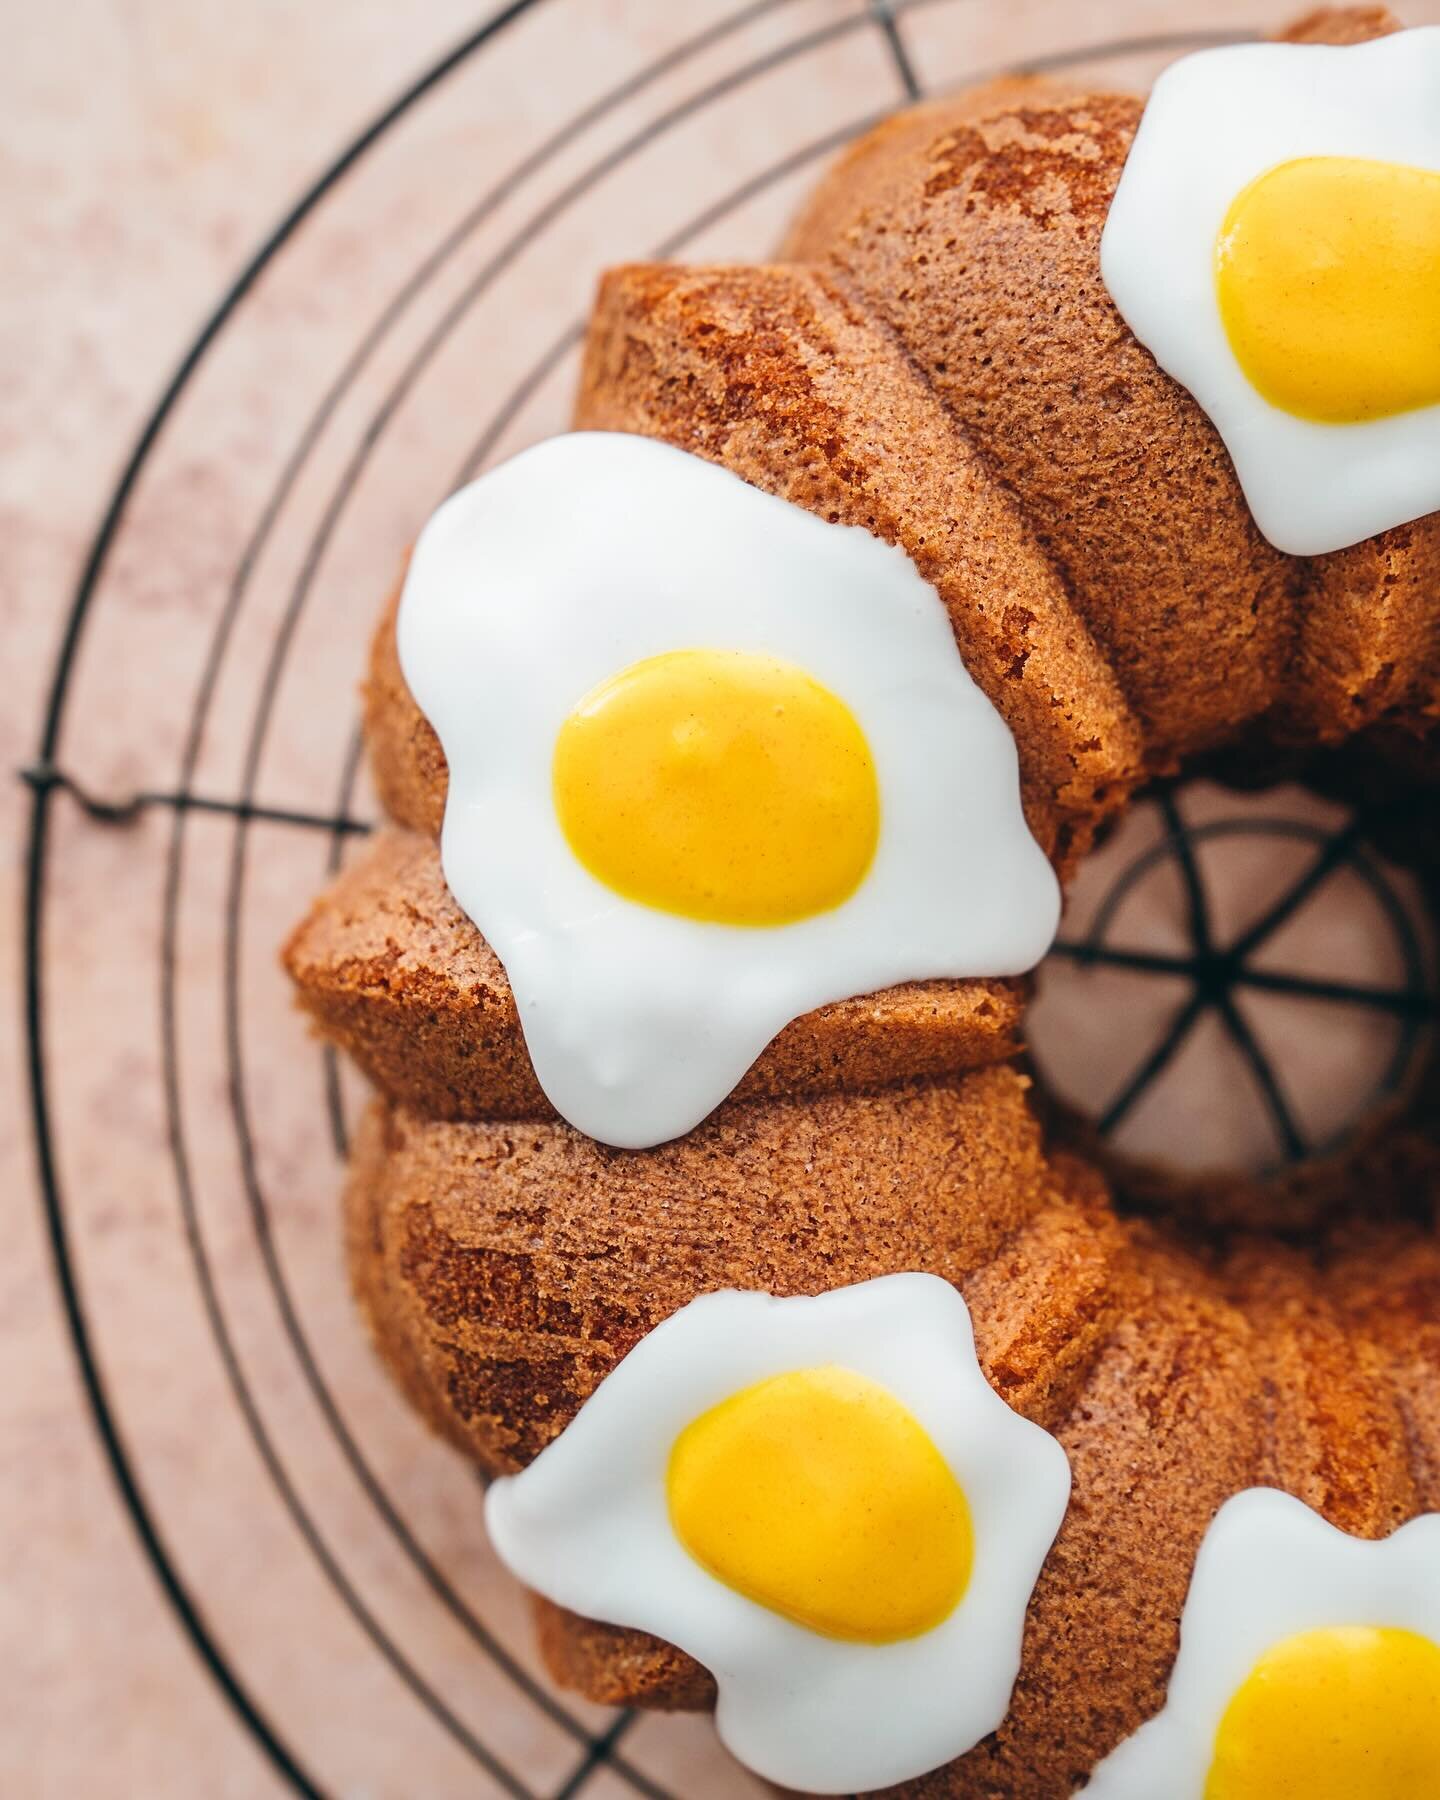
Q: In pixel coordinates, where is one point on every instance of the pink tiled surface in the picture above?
(332, 1551)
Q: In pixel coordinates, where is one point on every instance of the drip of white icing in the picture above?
(587, 1525)
(1268, 1568)
(1214, 123)
(591, 552)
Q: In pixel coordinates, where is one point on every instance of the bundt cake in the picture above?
(936, 358)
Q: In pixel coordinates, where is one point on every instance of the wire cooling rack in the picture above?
(411, 319)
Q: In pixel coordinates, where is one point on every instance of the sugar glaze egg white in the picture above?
(845, 816)
(613, 1521)
(1309, 1665)
(1333, 155)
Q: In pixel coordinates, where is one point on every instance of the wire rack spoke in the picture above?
(1409, 1002)
(885, 17)
(1406, 1002)
(1163, 1053)
(1267, 1077)
(1332, 857)
(1196, 900)
(600, 1752)
(45, 777)
(1217, 975)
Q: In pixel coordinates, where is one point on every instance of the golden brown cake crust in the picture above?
(406, 760)
(617, 1667)
(504, 1270)
(1369, 644)
(979, 247)
(780, 378)
(496, 1250)
(948, 335)
(1341, 25)
(948, 332)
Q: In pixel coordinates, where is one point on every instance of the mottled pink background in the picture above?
(147, 146)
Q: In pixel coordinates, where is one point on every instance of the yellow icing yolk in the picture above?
(1351, 1712)
(1328, 270)
(818, 1495)
(721, 786)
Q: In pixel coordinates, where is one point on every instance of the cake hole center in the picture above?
(1241, 983)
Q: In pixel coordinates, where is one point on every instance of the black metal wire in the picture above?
(1157, 1060)
(46, 777)
(1267, 1076)
(131, 807)
(884, 12)
(134, 1501)
(600, 1751)
(1196, 901)
(122, 1468)
(1217, 974)
(551, 358)
(1404, 1001)
(329, 1058)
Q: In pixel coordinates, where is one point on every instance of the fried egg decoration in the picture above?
(1309, 1667)
(1275, 242)
(821, 1500)
(713, 763)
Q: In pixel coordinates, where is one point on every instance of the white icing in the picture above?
(587, 1524)
(1215, 122)
(590, 552)
(1268, 1569)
